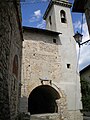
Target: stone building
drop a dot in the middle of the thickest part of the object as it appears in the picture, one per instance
(10, 58)
(85, 73)
(85, 89)
(50, 80)
(83, 6)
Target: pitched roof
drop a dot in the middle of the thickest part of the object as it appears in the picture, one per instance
(85, 69)
(38, 30)
(79, 5)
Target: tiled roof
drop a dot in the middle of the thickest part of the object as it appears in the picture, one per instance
(79, 5)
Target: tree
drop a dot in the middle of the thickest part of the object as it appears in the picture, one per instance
(85, 90)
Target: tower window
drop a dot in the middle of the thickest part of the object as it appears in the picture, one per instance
(63, 16)
(54, 40)
(15, 66)
(50, 20)
(34, 54)
(68, 66)
(14, 85)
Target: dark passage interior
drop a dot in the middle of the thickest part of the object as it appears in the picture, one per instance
(43, 100)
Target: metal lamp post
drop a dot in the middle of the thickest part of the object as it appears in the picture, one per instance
(78, 39)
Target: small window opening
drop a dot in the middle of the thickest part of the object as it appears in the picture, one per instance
(34, 54)
(14, 85)
(68, 66)
(54, 41)
(15, 66)
(63, 16)
(50, 21)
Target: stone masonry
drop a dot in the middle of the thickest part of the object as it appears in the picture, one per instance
(10, 65)
(41, 60)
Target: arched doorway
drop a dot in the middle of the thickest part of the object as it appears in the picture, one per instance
(43, 100)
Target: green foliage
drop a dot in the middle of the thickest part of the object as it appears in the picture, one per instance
(85, 90)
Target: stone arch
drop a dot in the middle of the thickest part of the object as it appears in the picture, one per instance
(43, 99)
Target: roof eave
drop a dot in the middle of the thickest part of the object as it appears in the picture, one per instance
(41, 30)
(47, 10)
(79, 6)
(85, 69)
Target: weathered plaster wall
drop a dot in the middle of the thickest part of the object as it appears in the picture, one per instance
(41, 59)
(70, 80)
(10, 45)
(53, 20)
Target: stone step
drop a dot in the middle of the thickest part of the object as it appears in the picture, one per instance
(53, 116)
(24, 116)
(86, 118)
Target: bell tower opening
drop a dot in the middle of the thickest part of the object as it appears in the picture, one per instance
(63, 16)
(43, 100)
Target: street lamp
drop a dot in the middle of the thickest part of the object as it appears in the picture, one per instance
(78, 39)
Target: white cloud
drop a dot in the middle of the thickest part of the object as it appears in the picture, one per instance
(42, 24)
(37, 13)
(84, 56)
(84, 59)
(32, 19)
(36, 16)
(44, 0)
(77, 25)
(85, 32)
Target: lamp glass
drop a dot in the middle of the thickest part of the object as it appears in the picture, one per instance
(78, 37)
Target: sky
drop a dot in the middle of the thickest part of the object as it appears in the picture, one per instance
(32, 15)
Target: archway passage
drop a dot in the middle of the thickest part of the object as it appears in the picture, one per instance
(43, 100)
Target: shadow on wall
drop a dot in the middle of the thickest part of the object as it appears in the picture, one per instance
(23, 104)
(46, 38)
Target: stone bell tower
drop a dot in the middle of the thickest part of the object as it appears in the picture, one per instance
(58, 18)
(50, 81)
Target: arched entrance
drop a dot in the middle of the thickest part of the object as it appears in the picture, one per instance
(43, 100)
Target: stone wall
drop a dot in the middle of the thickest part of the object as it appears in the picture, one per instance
(10, 45)
(41, 60)
(85, 75)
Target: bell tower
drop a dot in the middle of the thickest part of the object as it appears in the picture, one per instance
(58, 18)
